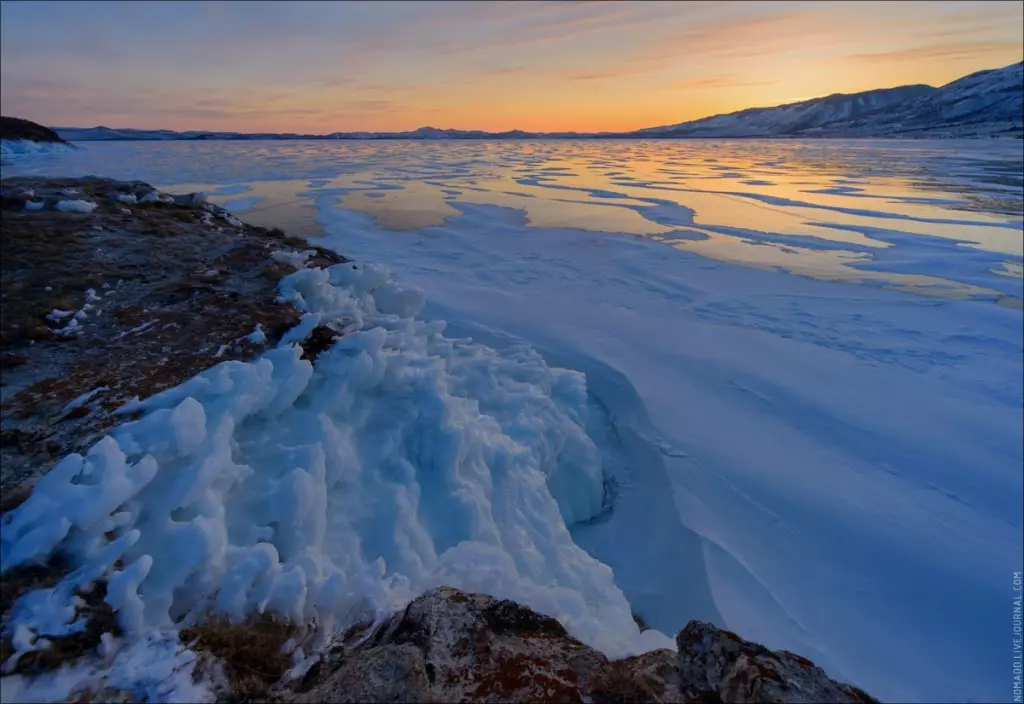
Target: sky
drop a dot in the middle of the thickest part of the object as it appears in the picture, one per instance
(320, 67)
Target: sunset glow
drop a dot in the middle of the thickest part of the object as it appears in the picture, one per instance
(539, 66)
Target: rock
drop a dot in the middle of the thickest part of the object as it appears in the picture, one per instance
(390, 673)
(449, 646)
(472, 648)
(718, 662)
(651, 677)
(14, 128)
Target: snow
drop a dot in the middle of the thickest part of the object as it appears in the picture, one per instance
(75, 206)
(606, 422)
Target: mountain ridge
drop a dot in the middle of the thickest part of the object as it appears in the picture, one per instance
(984, 103)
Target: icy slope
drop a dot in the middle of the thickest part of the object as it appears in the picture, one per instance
(402, 461)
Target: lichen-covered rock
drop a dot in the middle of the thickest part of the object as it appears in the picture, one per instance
(388, 673)
(651, 677)
(473, 648)
(714, 661)
(449, 646)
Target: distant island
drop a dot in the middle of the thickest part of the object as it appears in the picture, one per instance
(983, 104)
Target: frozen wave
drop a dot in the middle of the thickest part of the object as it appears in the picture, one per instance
(401, 461)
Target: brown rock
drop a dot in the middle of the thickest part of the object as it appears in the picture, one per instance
(449, 646)
(388, 673)
(717, 662)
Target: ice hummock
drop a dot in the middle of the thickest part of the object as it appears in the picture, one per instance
(401, 461)
(24, 147)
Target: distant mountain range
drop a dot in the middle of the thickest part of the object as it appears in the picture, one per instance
(983, 104)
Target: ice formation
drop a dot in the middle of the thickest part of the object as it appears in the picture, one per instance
(401, 461)
(22, 147)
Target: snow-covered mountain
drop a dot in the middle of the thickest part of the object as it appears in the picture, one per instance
(985, 102)
(981, 104)
(794, 118)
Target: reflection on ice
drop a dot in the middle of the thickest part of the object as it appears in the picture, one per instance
(829, 209)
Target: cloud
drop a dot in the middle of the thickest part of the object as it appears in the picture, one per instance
(371, 105)
(508, 71)
(579, 19)
(730, 80)
(929, 52)
(729, 37)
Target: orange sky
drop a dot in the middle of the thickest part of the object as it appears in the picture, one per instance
(539, 66)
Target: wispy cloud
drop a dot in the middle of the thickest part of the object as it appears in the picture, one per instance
(954, 50)
(731, 80)
(575, 21)
(258, 65)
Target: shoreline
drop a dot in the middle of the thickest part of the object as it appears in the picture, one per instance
(204, 254)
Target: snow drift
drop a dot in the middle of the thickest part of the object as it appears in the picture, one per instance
(401, 461)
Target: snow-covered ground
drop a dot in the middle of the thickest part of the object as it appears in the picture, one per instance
(830, 467)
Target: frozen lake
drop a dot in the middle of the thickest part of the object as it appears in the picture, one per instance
(804, 360)
(942, 217)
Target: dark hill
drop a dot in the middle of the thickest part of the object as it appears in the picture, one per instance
(17, 128)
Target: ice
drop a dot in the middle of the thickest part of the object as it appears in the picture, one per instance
(75, 206)
(829, 466)
(296, 259)
(58, 314)
(257, 335)
(155, 667)
(84, 398)
(402, 461)
(240, 205)
(27, 147)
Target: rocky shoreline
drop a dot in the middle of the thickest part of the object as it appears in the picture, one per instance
(449, 646)
(113, 291)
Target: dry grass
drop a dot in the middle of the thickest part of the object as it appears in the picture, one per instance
(617, 685)
(15, 496)
(250, 653)
(98, 615)
(184, 291)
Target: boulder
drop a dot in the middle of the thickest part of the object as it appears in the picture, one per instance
(450, 646)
